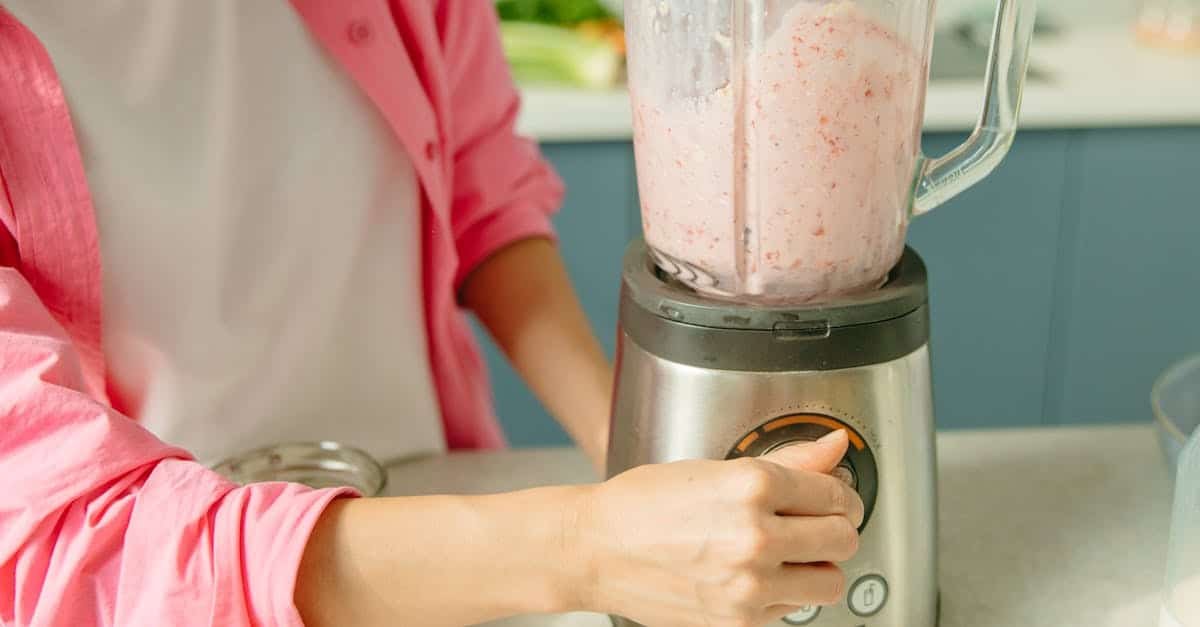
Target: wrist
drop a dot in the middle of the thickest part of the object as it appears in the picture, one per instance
(541, 535)
(576, 574)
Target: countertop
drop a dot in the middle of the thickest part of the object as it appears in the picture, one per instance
(1098, 76)
(1054, 526)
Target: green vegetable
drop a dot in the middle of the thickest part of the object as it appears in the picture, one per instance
(561, 12)
(541, 53)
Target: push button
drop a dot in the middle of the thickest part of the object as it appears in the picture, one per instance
(359, 32)
(803, 616)
(868, 595)
(845, 472)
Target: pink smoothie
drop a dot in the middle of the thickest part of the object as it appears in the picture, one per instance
(826, 131)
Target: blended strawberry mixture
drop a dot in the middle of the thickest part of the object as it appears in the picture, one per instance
(826, 137)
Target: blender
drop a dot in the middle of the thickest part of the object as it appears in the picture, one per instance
(773, 300)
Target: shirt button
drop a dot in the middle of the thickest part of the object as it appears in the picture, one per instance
(359, 32)
(431, 150)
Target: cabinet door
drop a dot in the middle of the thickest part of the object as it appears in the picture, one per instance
(991, 254)
(1130, 298)
(593, 230)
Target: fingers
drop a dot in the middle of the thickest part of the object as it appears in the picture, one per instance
(811, 494)
(815, 492)
(783, 586)
(820, 456)
(808, 584)
(808, 539)
(777, 612)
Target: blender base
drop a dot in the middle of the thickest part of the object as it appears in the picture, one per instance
(618, 621)
(699, 378)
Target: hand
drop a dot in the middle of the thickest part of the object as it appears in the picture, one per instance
(721, 543)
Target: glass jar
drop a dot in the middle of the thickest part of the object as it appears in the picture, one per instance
(778, 142)
(314, 464)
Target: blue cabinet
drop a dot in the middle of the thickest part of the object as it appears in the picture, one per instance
(1129, 281)
(991, 254)
(1060, 285)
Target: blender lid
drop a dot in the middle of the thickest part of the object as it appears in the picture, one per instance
(672, 322)
(654, 291)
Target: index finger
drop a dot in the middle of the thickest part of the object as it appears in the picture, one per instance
(818, 494)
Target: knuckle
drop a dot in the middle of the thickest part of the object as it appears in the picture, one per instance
(846, 539)
(753, 544)
(833, 587)
(745, 592)
(858, 509)
(839, 496)
(756, 481)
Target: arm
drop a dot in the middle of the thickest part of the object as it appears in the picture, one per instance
(523, 296)
(646, 545)
(503, 194)
(103, 524)
(441, 560)
(100, 522)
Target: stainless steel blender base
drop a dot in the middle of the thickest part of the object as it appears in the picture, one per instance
(697, 413)
(617, 621)
(701, 379)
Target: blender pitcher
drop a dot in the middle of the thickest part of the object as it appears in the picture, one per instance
(778, 141)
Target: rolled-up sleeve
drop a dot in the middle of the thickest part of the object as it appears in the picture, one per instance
(102, 524)
(503, 190)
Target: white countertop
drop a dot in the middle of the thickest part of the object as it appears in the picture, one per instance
(1098, 77)
(1064, 527)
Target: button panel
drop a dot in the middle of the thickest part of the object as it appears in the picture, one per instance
(857, 469)
(803, 616)
(845, 472)
(868, 595)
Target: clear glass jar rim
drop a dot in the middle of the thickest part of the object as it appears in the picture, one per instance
(1172, 374)
(334, 462)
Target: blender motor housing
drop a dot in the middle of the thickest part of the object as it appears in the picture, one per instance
(704, 378)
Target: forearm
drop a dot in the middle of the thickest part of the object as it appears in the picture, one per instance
(525, 299)
(442, 560)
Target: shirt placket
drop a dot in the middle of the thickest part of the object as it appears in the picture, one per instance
(361, 34)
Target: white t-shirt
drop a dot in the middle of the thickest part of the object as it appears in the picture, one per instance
(259, 227)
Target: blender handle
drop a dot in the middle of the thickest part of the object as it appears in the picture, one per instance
(944, 177)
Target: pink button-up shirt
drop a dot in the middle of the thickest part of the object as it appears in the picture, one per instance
(100, 522)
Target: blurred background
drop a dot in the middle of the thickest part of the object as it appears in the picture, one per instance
(1061, 286)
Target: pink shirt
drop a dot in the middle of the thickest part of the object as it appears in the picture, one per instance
(100, 522)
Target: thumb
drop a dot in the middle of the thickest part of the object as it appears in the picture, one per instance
(820, 456)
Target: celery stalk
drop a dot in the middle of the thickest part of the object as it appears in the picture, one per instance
(541, 53)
